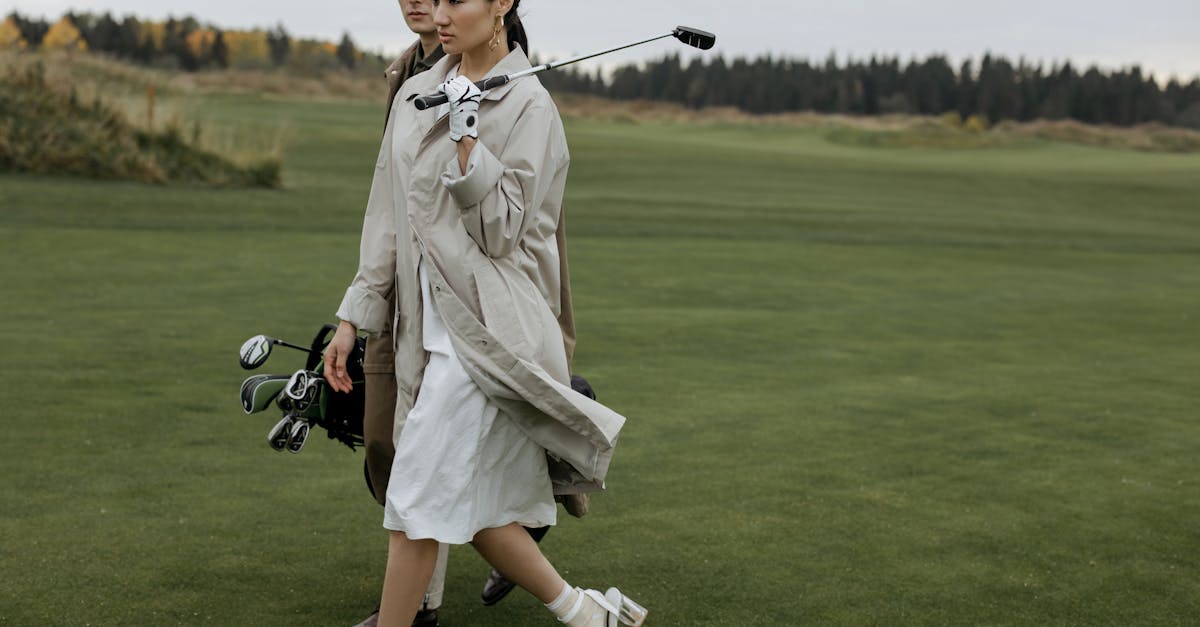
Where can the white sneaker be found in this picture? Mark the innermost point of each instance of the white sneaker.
(611, 609)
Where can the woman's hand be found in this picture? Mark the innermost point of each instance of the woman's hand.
(336, 355)
(464, 107)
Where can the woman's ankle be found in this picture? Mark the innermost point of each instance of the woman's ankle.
(566, 601)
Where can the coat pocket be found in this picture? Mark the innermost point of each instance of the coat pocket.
(511, 308)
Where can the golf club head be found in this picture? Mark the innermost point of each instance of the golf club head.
(255, 352)
(278, 436)
(695, 37)
(258, 391)
(303, 389)
(298, 436)
(308, 408)
(298, 385)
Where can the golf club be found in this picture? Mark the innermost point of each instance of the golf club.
(297, 437)
(303, 388)
(694, 37)
(256, 350)
(277, 437)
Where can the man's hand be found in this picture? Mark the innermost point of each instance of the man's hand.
(336, 355)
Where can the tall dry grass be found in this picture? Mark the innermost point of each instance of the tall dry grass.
(51, 123)
(123, 86)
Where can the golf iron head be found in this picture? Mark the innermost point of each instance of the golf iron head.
(303, 389)
(278, 436)
(298, 436)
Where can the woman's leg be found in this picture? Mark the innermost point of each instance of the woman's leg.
(511, 551)
(409, 567)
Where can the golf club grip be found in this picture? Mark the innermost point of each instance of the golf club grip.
(433, 100)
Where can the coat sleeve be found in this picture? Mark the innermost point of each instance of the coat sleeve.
(366, 303)
(500, 197)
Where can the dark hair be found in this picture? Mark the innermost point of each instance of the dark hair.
(516, 30)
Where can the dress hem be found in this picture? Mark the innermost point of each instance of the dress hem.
(419, 535)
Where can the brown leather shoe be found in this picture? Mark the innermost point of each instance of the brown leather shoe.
(496, 588)
(575, 504)
(426, 618)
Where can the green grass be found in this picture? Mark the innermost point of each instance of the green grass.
(865, 385)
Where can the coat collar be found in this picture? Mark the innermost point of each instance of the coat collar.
(402, 63)
(428, 82)
(514, 62)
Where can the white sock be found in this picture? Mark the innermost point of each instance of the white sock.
(565, 602)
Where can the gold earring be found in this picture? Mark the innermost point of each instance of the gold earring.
(496, 33)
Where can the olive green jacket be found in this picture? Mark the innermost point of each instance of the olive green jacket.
(492, 240)
(402, 69)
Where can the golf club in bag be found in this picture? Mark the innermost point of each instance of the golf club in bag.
(304, 397)
(694, 37)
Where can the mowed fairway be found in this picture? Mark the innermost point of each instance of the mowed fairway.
(864, 386)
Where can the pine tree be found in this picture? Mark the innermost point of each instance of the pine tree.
(346, 52)
(280, 45)
(220, 51)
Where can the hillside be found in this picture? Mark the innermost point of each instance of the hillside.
(51, 123)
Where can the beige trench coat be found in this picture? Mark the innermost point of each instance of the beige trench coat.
(492, 240)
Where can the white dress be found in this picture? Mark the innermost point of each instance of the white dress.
(461, 464)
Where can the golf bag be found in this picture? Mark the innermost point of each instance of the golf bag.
(304, 397)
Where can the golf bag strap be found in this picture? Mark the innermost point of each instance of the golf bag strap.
(318, 347)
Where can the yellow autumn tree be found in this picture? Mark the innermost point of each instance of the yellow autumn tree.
(154, 33)
(10, 36)
(313, 54)
(200, 42)
(248, 49)
(64, 36)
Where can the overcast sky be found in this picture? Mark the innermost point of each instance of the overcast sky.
(1162, 36)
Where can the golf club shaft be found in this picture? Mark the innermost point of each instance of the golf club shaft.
(433, 100)
(283, 343)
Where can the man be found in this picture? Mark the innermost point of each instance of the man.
(379, 423)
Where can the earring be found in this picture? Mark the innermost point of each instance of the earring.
(496, 33)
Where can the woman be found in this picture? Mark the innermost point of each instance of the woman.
(464, 221)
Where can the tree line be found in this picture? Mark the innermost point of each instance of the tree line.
(183, 43)
(993, 89)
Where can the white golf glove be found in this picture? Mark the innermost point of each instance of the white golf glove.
(464, 107)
